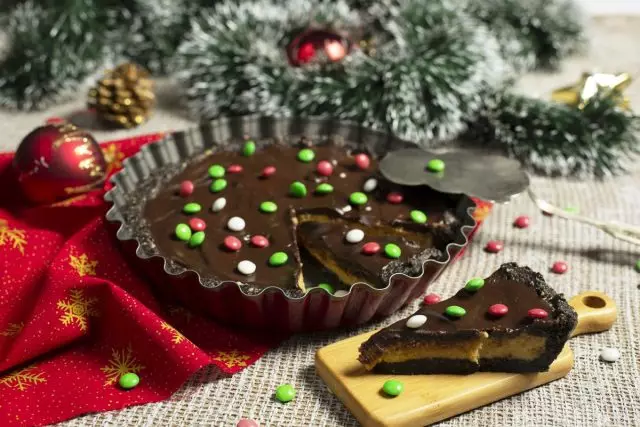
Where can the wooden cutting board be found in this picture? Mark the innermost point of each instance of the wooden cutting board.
(431, 398)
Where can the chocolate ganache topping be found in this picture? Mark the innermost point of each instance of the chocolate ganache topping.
(254, 216)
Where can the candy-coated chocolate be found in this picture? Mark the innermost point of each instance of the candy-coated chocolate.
(416, 321)
(354, 235)
(432, 299)
(324, 168)
(392, 250)
(494, 246)
(298, 189)
(394, 198)
(393, 388)
(474, 284)
(327, 287)
(268, 207)
(638, 266)
(285, 393)
(358, 198)
(610, 354)
(418, 216)
(245, 422)
(521, 222)
(498, 310)
(455, 311)
(259, 241)
(278, 259)
(197, 224)
(129, 380)
(370, 185)
(559, 267)
(197, 239)
(232, 243)
(371, 248)
(362, 161)
(268, 171)
(249, 148)
(219, 204)
(306, 155)
(537, 313)
(186, 188)
(236, 224)
(216, 171)
(218, 185)
(435, 165)
(246, 267)
(234, 168)
(191, 208)
(183, 232)
(324, 188)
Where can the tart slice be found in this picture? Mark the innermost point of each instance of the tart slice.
(511, 321)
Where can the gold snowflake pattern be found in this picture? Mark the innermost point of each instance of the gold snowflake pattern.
(83, 265)
(77, 309)
(121, 362)
(176, 337)
(113, 156)
(232, 358)
(12, 329)
(24, 378)
(17, 238)
(180, 311)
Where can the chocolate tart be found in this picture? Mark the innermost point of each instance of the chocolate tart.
(310, 229)
(524, 333)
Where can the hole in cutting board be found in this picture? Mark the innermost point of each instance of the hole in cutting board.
(592, 301)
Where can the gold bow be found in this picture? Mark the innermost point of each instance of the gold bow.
(592, 84)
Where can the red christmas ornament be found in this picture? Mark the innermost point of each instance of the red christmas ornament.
(306, 53)
(57, 161)
(559, 267)
(432, 299)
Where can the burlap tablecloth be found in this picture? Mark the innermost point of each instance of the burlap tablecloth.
(593, 394)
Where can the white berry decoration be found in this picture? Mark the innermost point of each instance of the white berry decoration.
(246, 267)
(416, 321)
(610, 354)
(355, 236)
(235, 224)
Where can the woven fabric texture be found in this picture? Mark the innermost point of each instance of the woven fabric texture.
(593, 394)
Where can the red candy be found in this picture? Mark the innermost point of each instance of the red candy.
(197, 224)
(324, 168)
(370, 248)
(268, 171)
(362, 161)
(232, 243)
(498, 310)
(494, 246)
(537, 313)
(432, 299)
(186, 188)
(259, 241)
(234, 169)
(559, 267)
(521, 221)
(394, 198)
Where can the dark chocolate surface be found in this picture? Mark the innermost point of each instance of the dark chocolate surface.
(246, 190)
(519, 288)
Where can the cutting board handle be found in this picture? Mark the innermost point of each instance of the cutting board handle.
(596, 312)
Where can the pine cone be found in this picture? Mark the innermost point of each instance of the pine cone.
(124, 96)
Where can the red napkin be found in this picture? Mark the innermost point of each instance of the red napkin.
(74, 316)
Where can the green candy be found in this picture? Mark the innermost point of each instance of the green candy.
(455, 311)
(435, 165)
(474, 284)
(197, 239)
(418, 216)
(285, 393)
(129, 380)
(393, 388)
(638, 266)
(324, 188)
(268, 207)
(218, 185)
(298, 189)
(571, 209)
(278, 259)
(306, 155)
(392, 250)
(249, 148)
(183, 232)
(191, 208)
(327, 287)
(216, 171)
(358, 198)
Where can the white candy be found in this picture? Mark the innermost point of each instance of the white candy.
(370, 185)
(340, 293)
(246, 267)
(235, 223)
(343, 175)
(219, 204)
(416, 321)
(355, 236)
(610, 354)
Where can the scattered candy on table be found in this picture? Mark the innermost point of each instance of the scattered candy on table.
(521, 222)
(246, 267)
(370, 185)
(245, 422)
(362, 161)
(392, 250)
(298, 189)
(354, 235)
(432, 299)
(232, 243)
(559, 267)
(435, 165)
(393, 388)
(455, 311)
(324, 168)
(129, 380)
(268, 171)
(324, 188)
(371, 248)
(494, 246)
(537, 313)
(394, 198)
(236, 224)
(498, 310)
(285, 393)
(219, 204)
(186, 188)
(474, 284)
(416, 321)
(610, 354)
